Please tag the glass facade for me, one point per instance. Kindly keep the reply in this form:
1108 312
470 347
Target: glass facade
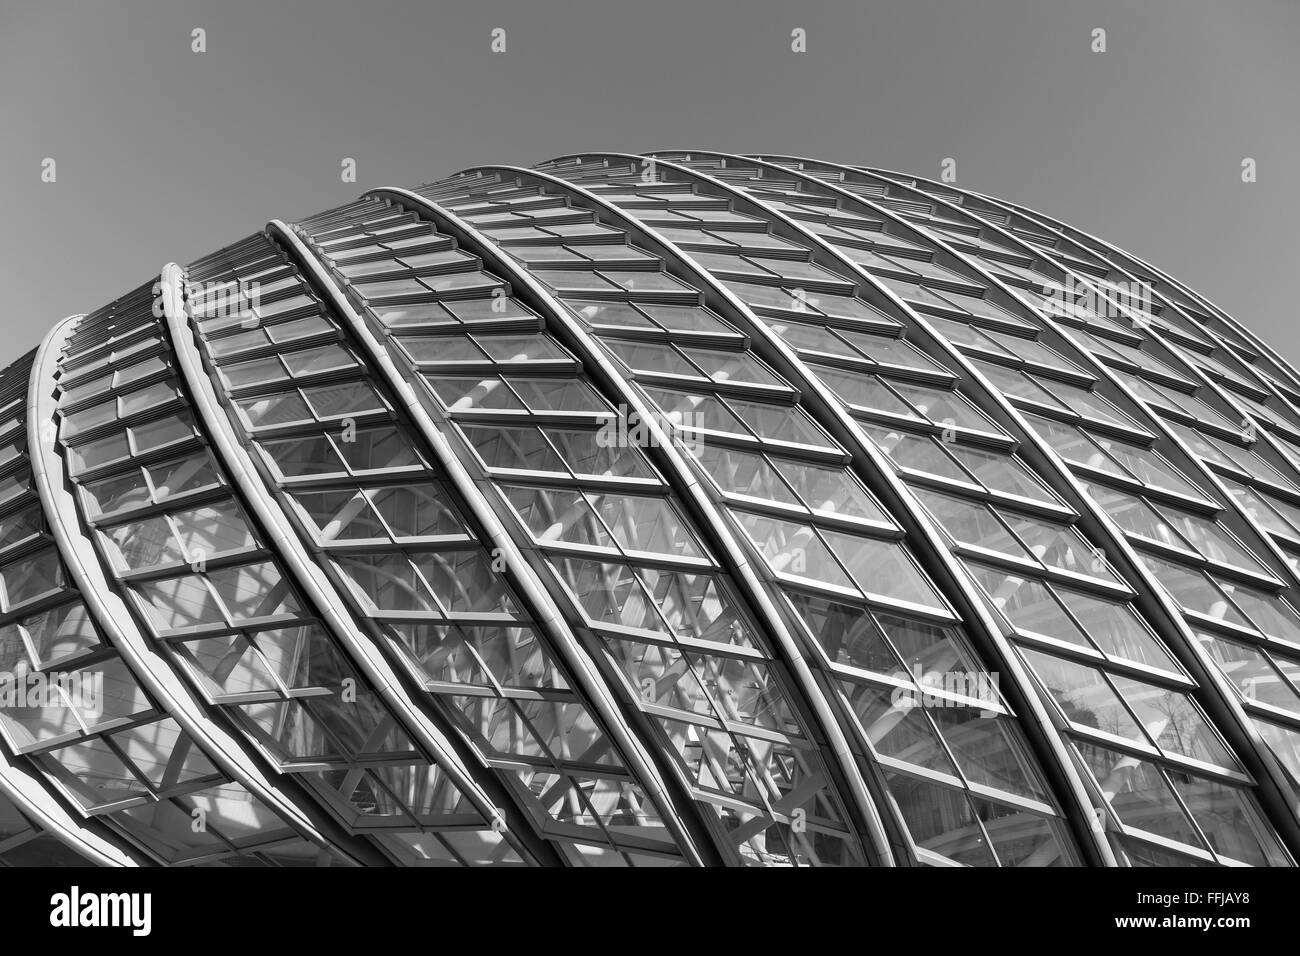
668 510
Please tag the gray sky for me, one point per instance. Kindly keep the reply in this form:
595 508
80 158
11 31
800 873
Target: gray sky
166 154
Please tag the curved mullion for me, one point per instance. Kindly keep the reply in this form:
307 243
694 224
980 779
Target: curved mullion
86 838
1181 356
661 448
726 303
1084 252
1219 698
546 615
307 572
1280 365
881 477
116 621
1165 351
22 783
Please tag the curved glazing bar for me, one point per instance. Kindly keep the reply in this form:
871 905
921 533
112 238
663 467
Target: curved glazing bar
658 453
1247 466
1196 305
1188 392
775 247
740 386
217 606
162 776
826 363
1222 706
220 432
539 720
675 509
36 825
747 276
632 533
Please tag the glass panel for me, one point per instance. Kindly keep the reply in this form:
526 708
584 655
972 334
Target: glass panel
917 453
142 544
464 582
165 431
1020 838
60 633
341 515
782 423
181 602
1139 794
1000 472
377 448
697 605
474 394
946 408
1059 546
182 475
830 490
109 494
610 593
230 666
744 473
1115 629
558 515
649 525
29 578
518 448
863 391
415 511
275 410
929 647
558 395
1084 695
387 582
254 590
896 727
847 634
1174 722
442 350
940 819
1228 821
1029 604
793 548
1149 467
988 750
350 398
971 523
883 568
212 529
589 453
296 457
1251 672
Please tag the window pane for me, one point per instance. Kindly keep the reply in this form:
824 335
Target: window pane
1084 695
1139 794
518 448
896 727
1174 722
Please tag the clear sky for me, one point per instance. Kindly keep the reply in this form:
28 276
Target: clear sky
166 154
